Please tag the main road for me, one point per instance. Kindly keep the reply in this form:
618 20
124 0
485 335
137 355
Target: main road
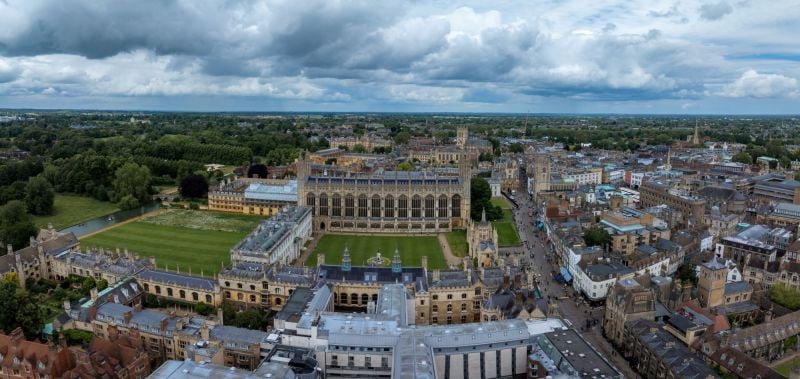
585 319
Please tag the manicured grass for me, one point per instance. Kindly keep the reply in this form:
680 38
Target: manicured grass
506 233
206 220
71 210
364 247
786 368
189 239
458 242
501 202
506 230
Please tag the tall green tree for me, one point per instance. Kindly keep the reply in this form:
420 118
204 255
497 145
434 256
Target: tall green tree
194 186
39 196
16 226
20 309
481 199
596 236
743 157
131 181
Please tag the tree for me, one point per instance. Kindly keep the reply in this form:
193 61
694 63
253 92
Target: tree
257 171
102 284
402 138
194 187
405 166
481 200
14 191
19 309
203 309
16 226
596 236
131 180
39 196
359 148
250 319
516 148
743 157
785 296
78 337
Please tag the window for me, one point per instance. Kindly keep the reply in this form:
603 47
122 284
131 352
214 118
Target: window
463 307
402 207
239 285
368 361
158 290
349 204
182 294
323 204
449 296
169 291
227 294
416 204
422 302
362 205
442 206
456 206
388 205
449 307
209 299
435 297
463 296
435 308
337 205
195 296
376 206
253 298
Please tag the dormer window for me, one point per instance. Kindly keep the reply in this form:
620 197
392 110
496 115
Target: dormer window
16 360
41 365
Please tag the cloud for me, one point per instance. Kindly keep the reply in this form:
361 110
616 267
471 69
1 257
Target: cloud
715 11
8 72
755 84
445 53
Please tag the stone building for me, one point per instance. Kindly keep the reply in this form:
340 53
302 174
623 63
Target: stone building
385 201
766 340
482 241
653 193
252 285
654 353
277 240
628 300
253 196
180 287
35 260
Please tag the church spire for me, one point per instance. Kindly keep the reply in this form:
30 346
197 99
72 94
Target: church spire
483 215
346 264
397 264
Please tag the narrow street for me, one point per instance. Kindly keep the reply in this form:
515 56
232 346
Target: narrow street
568 308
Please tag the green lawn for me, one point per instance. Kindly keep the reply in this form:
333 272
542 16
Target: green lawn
786 368
501 202
506 233
506 230
458 242
364 247
198 240
70 210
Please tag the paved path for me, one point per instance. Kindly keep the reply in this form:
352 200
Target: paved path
569 309
309 249
451 259
146 215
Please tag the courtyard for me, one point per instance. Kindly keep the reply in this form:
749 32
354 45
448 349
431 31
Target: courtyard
364 247
196 240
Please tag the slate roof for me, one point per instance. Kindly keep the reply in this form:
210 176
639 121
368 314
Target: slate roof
177 279
382 275
738 287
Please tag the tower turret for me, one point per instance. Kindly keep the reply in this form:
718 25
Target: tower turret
397 264
346 264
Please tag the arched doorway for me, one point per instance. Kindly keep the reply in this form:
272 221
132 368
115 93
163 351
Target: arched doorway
322 226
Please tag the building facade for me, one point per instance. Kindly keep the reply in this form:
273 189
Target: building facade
385 201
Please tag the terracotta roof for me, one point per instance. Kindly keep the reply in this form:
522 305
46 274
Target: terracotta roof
46 359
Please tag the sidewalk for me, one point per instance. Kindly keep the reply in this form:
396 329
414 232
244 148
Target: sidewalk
451 259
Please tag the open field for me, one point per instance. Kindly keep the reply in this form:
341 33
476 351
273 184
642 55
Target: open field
457 240
363 247
187 239
71 210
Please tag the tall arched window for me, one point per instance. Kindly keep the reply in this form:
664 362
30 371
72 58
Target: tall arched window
343 298
443 206
362 205
402 206
337 205
429 204
388 206
349 205
311 201
323 204
376 206
456 206
416 205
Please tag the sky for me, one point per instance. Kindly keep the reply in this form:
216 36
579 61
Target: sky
537 56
